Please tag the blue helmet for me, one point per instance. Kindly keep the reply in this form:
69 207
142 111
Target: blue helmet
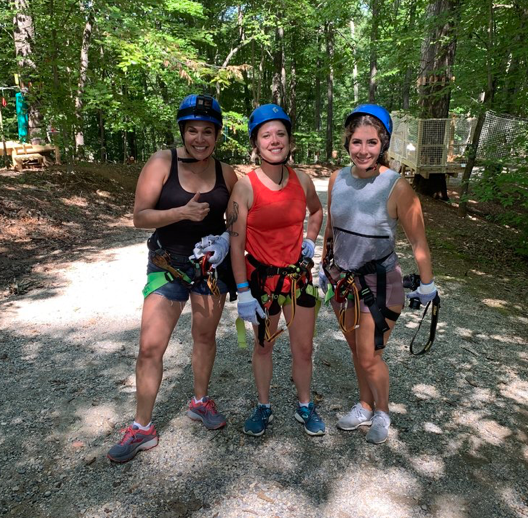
376 111
266 113
200 108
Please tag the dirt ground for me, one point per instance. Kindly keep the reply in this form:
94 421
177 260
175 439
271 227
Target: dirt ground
70 307
52 214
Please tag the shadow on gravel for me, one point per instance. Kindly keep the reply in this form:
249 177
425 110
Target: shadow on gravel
457 447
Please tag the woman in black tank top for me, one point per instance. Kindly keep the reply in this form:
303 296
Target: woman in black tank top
183 194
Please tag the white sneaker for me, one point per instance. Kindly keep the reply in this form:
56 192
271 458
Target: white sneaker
379 431
357 417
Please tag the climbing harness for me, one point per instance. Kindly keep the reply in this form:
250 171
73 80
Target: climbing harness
162 259
342 287
300 278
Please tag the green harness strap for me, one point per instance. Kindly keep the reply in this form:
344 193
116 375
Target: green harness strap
156 280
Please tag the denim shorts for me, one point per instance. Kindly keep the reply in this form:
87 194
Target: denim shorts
176 290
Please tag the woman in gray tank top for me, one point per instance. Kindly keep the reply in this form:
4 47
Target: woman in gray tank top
365 203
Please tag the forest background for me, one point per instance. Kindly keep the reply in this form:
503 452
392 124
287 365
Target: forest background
105 77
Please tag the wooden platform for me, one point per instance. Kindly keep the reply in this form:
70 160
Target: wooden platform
30 154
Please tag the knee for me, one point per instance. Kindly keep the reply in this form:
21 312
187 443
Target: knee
204 336
368 363
150 350
302 351
262 351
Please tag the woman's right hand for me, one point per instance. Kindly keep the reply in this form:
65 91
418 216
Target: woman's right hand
249 308
194 210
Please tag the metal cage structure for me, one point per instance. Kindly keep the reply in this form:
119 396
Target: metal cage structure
430 146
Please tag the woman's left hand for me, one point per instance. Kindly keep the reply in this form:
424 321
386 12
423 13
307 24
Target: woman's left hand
425 292
219 248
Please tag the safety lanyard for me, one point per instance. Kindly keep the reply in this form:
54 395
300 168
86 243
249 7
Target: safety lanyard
435 304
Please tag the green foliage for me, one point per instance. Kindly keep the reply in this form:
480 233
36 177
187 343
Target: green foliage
507 186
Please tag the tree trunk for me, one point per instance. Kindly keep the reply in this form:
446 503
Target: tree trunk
355 69
330 92
406 89
83 72
434 82
102 136
276 85
373 51
487 101
317 113
24 34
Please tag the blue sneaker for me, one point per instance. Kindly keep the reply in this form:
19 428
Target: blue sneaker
307 415
256 425
133 441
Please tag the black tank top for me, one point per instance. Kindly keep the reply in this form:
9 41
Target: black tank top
180 238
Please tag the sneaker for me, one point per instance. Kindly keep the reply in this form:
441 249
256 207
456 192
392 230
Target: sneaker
207 413
256 425
307 415
133 441
379 430
358 416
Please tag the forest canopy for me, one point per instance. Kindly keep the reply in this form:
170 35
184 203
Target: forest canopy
107 76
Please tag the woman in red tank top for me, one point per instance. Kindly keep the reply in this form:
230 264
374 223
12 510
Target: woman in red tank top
266 215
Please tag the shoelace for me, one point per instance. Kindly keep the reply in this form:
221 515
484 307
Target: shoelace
129 432
260 413
210 405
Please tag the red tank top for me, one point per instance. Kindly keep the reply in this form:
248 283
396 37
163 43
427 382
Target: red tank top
275 224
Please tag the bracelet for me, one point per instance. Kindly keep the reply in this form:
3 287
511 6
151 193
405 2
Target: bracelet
243 285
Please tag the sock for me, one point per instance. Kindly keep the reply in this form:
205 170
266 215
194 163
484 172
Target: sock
304 404
141 427
198 400
267 405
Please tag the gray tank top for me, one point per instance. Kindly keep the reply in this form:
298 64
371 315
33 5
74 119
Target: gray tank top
363 230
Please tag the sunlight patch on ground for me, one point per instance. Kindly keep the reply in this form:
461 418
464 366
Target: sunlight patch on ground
495 303
485 431
398 408
448 505
75 201
432 428
375 495
96 419
425 391
429 466
516 390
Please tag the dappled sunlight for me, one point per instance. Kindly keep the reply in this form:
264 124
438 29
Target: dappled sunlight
75 201
383 492
450 505
95 420
422 391
516 390
430 466
430 427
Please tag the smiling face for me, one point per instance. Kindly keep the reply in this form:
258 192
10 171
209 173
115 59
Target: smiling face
365 147
199 138
273 141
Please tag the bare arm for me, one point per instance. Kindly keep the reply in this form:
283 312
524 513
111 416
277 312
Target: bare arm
237 211
150 182
313 204
409 212
328 234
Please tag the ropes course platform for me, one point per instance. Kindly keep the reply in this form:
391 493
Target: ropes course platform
24 155
439 146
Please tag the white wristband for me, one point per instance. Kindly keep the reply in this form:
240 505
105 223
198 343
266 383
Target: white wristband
425 289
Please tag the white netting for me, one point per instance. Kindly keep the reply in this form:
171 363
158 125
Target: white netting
499 136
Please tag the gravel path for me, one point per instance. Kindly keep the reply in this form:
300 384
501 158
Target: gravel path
458 446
